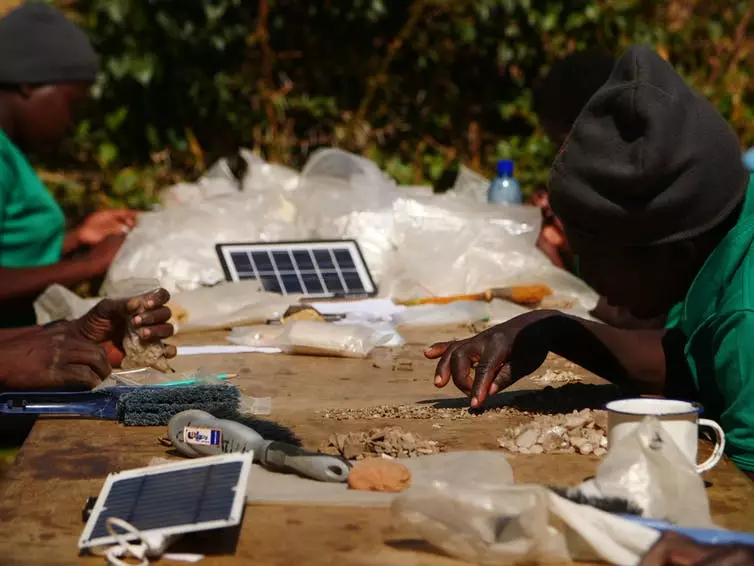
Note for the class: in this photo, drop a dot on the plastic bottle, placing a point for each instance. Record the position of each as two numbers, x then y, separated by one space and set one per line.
504 188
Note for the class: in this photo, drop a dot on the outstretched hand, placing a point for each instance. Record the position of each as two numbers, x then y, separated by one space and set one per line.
104 223
496 356
108 321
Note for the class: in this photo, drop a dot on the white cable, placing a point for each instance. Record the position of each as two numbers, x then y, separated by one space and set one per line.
125 548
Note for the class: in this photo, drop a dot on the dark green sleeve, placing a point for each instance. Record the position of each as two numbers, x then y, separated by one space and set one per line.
732 383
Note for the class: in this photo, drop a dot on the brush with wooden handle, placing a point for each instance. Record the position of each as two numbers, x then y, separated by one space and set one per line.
519 294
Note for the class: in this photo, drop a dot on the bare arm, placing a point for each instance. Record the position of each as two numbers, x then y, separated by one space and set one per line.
647 361
650 361
71 242
25 282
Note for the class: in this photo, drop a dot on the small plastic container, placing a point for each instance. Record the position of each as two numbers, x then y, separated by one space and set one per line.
504 188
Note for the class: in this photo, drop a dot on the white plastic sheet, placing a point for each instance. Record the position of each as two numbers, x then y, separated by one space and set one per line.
415 244
519 524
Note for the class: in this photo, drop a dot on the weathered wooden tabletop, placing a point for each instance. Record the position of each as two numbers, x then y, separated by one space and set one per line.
64 461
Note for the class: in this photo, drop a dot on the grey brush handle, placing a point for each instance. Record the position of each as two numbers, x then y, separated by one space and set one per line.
314 465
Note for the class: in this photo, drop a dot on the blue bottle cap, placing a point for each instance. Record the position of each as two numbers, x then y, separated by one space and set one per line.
748 159
505 168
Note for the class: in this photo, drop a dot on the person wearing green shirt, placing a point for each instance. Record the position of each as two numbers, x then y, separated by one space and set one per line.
47 67
659 211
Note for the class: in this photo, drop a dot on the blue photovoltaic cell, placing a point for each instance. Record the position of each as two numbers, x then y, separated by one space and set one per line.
315 271
181 497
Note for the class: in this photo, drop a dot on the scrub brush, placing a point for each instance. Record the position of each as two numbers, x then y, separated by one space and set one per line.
132 406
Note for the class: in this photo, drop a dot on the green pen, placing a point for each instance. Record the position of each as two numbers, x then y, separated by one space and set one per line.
220 376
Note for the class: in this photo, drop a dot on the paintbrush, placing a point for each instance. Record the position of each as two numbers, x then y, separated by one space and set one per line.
520 294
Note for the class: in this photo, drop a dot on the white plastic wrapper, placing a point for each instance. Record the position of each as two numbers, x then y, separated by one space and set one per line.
519 524
60 303
226 305
416 244
313 338
177 245
470 185
650 470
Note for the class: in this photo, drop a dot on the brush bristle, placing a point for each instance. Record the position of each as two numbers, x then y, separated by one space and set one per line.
155 406
616 505
269 430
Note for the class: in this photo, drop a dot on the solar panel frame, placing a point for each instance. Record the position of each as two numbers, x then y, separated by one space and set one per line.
240 463
336 277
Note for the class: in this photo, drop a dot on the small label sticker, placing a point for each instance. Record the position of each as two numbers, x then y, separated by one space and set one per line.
203 436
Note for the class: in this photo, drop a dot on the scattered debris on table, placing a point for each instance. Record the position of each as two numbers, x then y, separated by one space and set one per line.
390 441
582 432
550 400
556 377
379 474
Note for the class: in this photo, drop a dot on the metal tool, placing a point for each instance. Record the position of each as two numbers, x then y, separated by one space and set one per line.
197 433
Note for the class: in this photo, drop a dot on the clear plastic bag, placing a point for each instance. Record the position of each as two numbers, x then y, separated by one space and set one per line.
650 470
59 303
313 338
519 524
227 305
459 312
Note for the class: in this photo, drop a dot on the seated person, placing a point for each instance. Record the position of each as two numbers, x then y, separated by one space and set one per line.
659 211
47 66
79 354
558 100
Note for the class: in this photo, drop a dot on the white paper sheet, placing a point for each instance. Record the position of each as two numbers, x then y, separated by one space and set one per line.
226 349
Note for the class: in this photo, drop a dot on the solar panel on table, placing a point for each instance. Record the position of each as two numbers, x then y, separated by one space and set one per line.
314 269
176 498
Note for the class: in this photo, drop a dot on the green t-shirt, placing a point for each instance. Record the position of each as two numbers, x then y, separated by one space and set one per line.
717 318
32 226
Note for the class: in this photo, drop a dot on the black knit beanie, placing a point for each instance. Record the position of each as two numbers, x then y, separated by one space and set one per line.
38 45
648 161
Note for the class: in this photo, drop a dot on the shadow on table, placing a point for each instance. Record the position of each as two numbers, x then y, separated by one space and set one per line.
550 400
220 542
414 545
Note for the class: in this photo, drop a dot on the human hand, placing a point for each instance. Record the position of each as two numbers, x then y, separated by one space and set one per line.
108 321
103 223
51 359
676 550
497 356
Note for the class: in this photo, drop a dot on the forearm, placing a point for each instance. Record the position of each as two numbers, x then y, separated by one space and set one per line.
25 282
648 361
71 242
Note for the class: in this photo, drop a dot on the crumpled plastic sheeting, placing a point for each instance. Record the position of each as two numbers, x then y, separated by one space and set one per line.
470 185
416 245
177 245
519 524
59 303
650 470
226 305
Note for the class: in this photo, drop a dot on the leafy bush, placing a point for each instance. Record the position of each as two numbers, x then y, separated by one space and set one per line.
415 85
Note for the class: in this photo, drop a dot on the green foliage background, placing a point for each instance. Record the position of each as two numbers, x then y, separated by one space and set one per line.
413 84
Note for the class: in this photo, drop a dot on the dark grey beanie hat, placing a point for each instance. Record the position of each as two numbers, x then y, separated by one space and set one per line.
38 45
648 161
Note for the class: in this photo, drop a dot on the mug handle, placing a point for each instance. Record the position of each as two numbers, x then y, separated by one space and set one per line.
717 453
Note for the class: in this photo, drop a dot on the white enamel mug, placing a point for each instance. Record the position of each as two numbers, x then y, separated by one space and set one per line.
680 419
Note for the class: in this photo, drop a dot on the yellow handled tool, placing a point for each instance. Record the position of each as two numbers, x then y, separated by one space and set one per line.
520 294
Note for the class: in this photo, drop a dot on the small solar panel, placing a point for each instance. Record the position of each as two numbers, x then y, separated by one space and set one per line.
202 494
321 269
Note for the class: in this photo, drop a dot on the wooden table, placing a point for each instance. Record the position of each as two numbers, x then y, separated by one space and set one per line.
64 461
